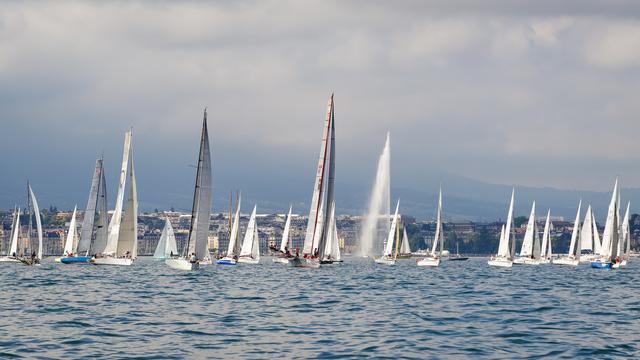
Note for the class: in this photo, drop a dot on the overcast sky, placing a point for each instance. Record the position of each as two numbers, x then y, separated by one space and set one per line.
536 93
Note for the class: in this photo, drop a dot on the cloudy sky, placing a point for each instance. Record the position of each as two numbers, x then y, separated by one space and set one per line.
530 93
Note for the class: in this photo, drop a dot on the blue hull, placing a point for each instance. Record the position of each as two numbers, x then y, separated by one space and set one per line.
601 265
225 262
76 260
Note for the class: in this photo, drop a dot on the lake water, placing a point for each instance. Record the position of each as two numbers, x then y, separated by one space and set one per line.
356 309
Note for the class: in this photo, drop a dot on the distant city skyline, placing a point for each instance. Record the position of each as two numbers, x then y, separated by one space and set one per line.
535 95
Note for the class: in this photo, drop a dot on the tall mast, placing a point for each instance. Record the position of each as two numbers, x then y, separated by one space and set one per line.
197 185
329 199
316 199
30 224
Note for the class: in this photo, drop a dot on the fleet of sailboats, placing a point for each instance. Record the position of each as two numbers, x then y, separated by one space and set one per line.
114 242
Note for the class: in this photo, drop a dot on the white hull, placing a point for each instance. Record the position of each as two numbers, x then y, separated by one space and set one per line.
280 260
587 259
526 261
623 263
429 261
8 259
207 261
385 261
500 262
566 261
305 263
182 264
248 260
616 265
113 261
544 261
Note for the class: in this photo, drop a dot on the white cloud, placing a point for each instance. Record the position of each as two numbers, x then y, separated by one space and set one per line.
615 45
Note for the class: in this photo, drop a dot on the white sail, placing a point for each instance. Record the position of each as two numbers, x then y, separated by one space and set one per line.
69 247
318 188
610 235
36 212
247 243
335 243
114 225
597 245
127 240
201 209
530 235
502 244
405 248
439 236
503 248
575 232
167 244
15 234
546 241
318 233
388 248
586 234
625 241
235 227
285 233
255 247
86 233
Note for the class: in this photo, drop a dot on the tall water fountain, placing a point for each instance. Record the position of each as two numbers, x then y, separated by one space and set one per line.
375 226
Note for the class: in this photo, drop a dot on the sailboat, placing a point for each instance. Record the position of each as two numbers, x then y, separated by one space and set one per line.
433 259
167 246
250 252
388 257
589 239
33 211
405 248
317 228
70 243
198 238
285 246
573 256
610 238
504 258
457 256
232 254
96 205
626 237
12 254
530 251
545 250
122 240
332 249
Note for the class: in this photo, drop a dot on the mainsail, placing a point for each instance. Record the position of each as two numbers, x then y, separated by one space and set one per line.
610 235
167 243
235 227
249 244
285 233
111 247
388 247
505 238
36 213
531 243
545 249
438 239
69 245
318 189
405 248
94 203
586 234
200 213
15 234
573 246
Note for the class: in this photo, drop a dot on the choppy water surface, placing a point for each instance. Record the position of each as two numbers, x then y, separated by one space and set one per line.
356 309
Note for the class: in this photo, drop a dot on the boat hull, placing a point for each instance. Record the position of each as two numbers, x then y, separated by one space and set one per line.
526 261
248 260
588 258
112 261
385 261
8 259
499 262
429 261
206 261
544 261
458 258
606 265
75 260
280 260
305 263
182 264
566 261
226 261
